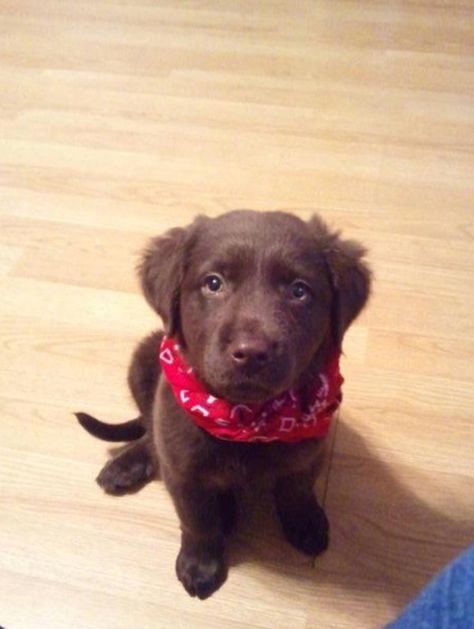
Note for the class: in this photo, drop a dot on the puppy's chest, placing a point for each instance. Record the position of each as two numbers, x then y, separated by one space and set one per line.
192 453
224 474
243 464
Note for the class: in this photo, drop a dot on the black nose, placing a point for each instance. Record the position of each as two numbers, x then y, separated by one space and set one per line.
250 352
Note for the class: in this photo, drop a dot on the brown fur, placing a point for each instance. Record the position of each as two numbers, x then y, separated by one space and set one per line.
258 257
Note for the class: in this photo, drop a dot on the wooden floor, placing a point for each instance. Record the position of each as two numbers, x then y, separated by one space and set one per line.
121 118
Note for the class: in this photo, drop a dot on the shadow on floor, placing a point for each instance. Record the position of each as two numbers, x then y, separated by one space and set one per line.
385 541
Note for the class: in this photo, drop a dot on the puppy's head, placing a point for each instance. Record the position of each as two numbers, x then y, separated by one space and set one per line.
254 298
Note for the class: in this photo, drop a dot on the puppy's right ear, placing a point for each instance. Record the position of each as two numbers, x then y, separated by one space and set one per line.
161 272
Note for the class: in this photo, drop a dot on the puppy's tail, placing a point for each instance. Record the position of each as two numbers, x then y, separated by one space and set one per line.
128 431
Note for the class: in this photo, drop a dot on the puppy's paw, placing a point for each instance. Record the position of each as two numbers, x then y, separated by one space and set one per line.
120 476
200 576
307 528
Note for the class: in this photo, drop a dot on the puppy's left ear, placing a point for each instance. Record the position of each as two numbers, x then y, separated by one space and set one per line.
349 275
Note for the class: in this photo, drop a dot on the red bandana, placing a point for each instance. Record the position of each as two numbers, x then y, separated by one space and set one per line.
279 419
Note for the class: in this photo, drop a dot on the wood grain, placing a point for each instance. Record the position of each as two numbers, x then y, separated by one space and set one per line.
121 119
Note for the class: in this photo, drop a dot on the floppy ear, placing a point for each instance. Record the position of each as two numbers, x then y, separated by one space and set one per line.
349 275
161 272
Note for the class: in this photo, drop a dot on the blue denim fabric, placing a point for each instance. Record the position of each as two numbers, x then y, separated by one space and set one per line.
447 602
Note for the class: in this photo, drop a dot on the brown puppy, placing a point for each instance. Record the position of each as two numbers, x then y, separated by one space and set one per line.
257 303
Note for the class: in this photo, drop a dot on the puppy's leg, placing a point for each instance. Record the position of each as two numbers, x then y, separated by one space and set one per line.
143 374
200 564
130 469
304 522
137 464
228 511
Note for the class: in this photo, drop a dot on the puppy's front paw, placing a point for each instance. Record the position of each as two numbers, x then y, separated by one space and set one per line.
307 528
200 576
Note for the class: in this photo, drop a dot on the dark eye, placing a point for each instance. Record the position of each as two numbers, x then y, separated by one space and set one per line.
300 290
213 283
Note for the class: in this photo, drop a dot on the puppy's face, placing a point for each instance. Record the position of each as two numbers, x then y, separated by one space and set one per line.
253 297
254 304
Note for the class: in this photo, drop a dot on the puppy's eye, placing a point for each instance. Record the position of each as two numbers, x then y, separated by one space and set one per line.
213 283
300 290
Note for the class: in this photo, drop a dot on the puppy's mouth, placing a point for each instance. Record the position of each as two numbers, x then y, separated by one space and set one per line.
241 389
246 392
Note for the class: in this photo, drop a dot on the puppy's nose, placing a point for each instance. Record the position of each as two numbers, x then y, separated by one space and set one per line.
255 352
